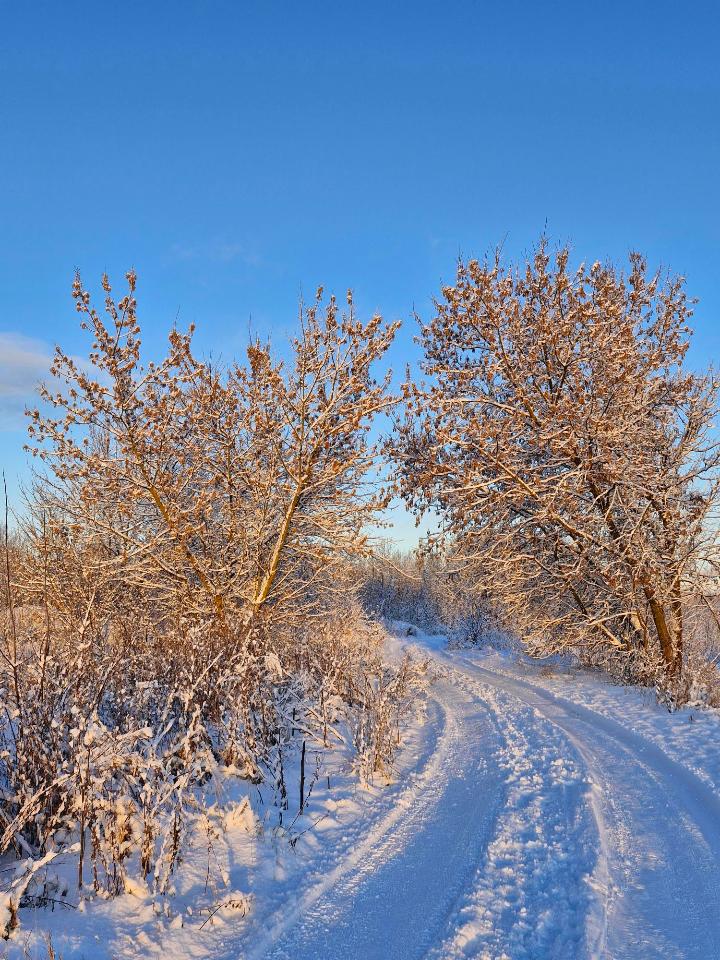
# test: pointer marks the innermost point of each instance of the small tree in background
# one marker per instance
(570, 452)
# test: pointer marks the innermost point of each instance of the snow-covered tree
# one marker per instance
(182, 593)
(569, 450)
(221, 493)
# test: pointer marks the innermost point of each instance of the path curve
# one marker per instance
(660, 827)
(539, 830)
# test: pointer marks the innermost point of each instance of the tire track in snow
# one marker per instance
(325, 920)
(532, 894)
(660, 833)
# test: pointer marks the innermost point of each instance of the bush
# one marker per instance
(179, 597)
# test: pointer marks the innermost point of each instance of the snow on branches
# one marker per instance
(180, 595)
(570, 451)
(228, 492)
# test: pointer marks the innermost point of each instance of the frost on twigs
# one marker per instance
(175, 603)
(571, 456)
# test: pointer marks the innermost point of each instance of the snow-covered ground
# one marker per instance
(651, 791)
(536, 813)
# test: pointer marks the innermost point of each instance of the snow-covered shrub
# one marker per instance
(353, 691)
(182, 599)
(697, 685)
(410, 587)
(384, 699)
(74, 775)
(108, 761)
(478, 628)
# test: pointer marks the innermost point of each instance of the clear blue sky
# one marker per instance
(238, 153)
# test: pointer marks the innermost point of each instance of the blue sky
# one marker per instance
(237, 154)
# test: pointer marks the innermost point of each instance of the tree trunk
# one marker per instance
(663, 631)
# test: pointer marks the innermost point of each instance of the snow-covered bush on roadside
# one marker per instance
(110, 764)
(384, 700)
(180, 600)
(698, 685)
(355, 695)
(476, 627)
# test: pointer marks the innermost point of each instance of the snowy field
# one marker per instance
(536, 814)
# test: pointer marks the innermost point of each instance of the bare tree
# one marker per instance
(183, 593)
(222, 494)
(569, 451)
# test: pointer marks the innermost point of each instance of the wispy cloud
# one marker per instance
(24, 362)
(215, 251)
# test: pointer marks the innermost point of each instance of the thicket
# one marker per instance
(192, 584)
(180, 595)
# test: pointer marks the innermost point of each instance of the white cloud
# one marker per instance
(215, 251)
(24, 362)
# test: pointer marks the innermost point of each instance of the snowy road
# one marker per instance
(658, 826)
(538, 828)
